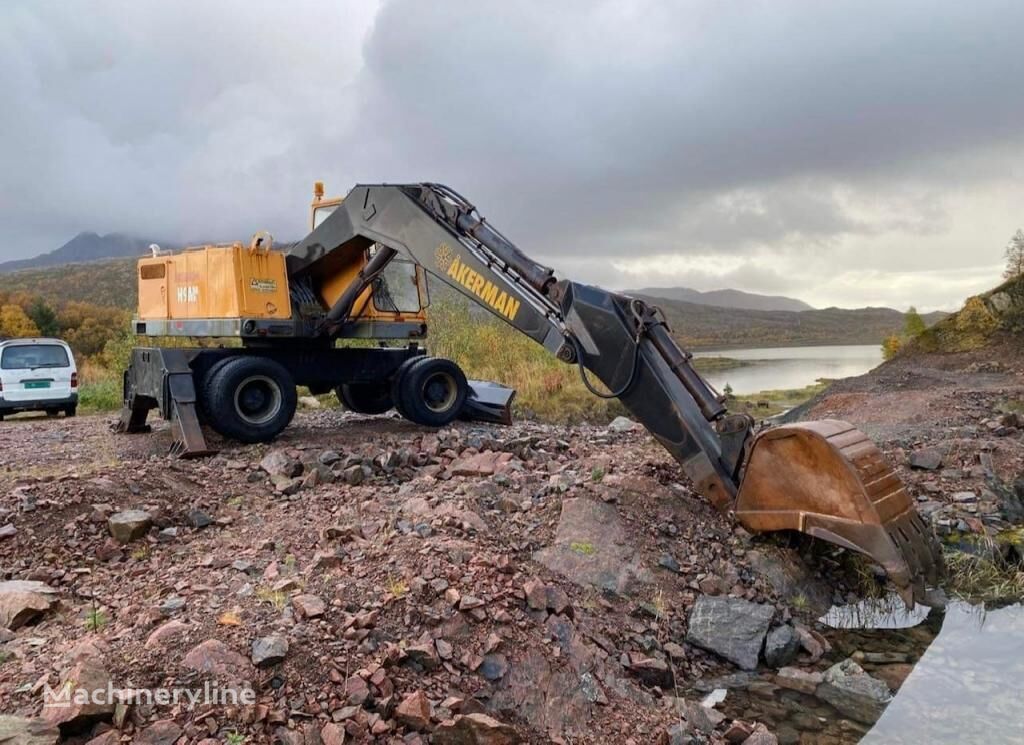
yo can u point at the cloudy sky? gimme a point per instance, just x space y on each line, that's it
846 153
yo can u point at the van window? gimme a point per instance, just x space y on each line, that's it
28 356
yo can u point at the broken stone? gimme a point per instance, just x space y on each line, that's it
129 525
87 674
536 594
165 633
22 731
928 459
279 463
805 681
199 519
219 660
781 646
269 650
164 732
621 424
731 628
24 601
591 548
651 671
414 711
309 606
494 667
853 692
475 729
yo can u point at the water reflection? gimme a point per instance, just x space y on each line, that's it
965 688
781 368
954 673
886 613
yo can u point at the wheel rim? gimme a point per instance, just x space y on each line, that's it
439 392
258 399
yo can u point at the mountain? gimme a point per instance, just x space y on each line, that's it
82 248
712 327
725 298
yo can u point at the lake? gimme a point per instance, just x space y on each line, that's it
778 368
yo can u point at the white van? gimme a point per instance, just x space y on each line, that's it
37 375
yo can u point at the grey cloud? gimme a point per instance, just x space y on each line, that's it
820 134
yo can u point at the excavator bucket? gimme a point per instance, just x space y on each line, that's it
827 479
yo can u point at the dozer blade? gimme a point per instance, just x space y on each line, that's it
827 479
488 402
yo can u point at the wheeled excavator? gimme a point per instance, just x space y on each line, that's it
360 274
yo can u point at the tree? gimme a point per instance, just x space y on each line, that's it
913 324
14 322
1015 256
727 391
44 317
891 346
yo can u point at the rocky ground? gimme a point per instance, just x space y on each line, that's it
366 580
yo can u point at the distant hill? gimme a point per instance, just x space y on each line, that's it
710 327
112 283
82 248
725 298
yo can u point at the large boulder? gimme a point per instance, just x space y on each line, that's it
24 601
731 628
82 698
853 692
591 548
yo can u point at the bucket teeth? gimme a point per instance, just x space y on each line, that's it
827 479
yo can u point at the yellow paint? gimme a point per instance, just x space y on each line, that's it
488 292
214 282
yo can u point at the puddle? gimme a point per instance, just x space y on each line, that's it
887 613
966 686
955 673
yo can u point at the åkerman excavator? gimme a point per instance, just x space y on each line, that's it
360 274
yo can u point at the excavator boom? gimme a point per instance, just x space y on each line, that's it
825 479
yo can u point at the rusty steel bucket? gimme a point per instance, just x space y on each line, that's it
827 479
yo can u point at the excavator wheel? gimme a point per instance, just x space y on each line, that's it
396 382
365 398
431 391
250 399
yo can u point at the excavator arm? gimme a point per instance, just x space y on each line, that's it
822 478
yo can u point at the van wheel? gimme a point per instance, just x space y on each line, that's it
70 411
365 398
52 413
432 391
250 399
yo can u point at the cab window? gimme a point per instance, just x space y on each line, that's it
395 290
322 213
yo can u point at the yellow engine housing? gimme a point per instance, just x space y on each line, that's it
214 282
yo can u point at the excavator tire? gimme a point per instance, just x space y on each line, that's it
431 391
396 387
365 398
249 399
